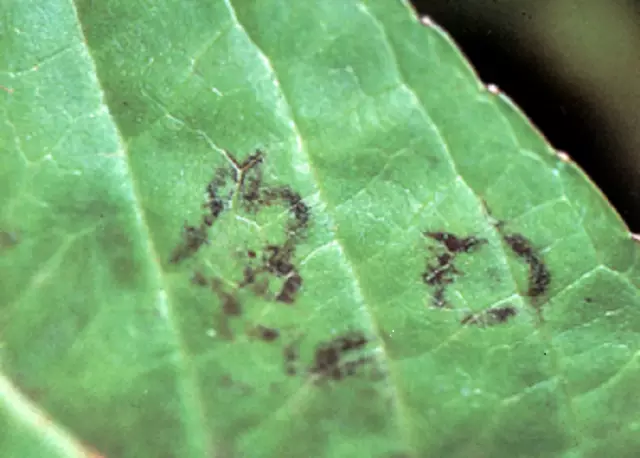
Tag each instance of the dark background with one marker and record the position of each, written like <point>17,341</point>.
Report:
<point>573,66</point>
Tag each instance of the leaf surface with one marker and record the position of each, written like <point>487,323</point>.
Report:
<point>262,228</point>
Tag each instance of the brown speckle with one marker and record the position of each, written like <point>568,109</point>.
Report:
<point>230,305</point>
<point>539,275</point>
<point>199,279</point>
<point>455,244</point>
<point>441,270</point>
<point>490,317</point>
<point>192,239</point>
<point>290,289</point>
<point>265,333</point>
<point>278,260</point>
<point>328,359</point>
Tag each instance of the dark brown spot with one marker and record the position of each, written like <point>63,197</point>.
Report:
<point>490,317</point>
<point>454,243</point>
<point>438,299</point>
<point>192,239</point>
<point>249,276</point>
<point>441,270</point>
<point>278,260</point>
<point>328,358</point>
<point>251,181</point>
<point>539,275</point>
<point>251,254</point>
<point>290,289</point>
<point>230,305</point>
<point>265,333</point>
<point>252,161</point>
<point>215,202</point>
<point>199,279</point>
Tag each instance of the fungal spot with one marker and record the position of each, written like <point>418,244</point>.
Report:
<point>441,270</point>
<point>278,259</point>
<point>588,300</point>
<point>199,279</point>
<point>192,239</point>
<point>264,333</point>
<point>229,304</point>
<point>539,275</point>
<point>331,359</point>
<point>266,268</point>
<point>292,200</point>
<point>290,288</point>
<point>218,193</point>
<point>490,317</point>
<point>455,244</point>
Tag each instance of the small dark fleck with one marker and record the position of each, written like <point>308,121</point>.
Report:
<point>438,298</point>
<point>215,206</point>
<point>278,262</point>
<point>253,160</point>
<point>199,279</point>
<point>251,254</point>
<point>298,209</point>
<point>266,334</point>
<point>351,341</point>
<point>249,276</point>
<point>328,356</point>
<point>454,243</point>
<point>539,275</point>
<point>490,317</point>
<point>443,271</point>
<point>502,314</point>
<point>539,278</point>
<point>290,288</point>
<point>290,353</point>
<point>588,300</point>
<point>520,245</point>
<point>230,305</point>
<point>193,238</point>
<point>251,192</point>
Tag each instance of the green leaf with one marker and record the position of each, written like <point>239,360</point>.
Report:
<point>407,269</point>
